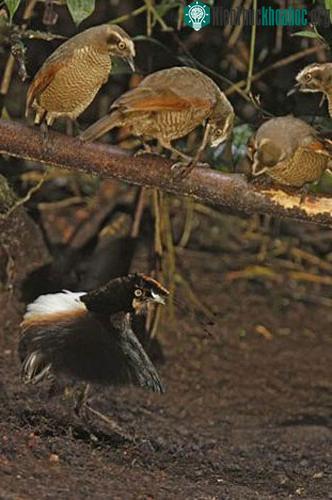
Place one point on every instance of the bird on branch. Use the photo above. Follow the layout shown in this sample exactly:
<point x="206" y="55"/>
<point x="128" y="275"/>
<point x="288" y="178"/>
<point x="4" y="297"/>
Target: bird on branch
<point x="316" y="78"/>
<point x="168" y="105"/>
<point x="72" y="75"/>
<point x="289" y="151"/>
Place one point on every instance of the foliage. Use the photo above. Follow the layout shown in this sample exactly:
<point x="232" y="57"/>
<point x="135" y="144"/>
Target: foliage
<point x="80" y="9"/>
<point x="12" y="6"/>
<point x="328" y="6"/>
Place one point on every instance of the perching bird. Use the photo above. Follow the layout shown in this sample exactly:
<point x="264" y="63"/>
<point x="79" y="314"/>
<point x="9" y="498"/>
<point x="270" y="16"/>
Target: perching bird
<point x="289" y="151"/>
<point x="316" y="78"/>
<point x="88" y="336"/>
<point x="72" y="75"/>
<point x="168" y="105"/>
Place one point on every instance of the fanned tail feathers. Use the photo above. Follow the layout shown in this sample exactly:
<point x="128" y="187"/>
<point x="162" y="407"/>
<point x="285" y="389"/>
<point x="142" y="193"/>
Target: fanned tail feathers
<point x="34" y="368"/>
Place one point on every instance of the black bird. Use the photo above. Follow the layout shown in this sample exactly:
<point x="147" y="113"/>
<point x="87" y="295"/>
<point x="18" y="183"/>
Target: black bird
<point x="88" y="336"/>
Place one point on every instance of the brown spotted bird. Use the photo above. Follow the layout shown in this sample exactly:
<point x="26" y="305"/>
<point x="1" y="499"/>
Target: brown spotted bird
<point x="316" y="78"/>
<point x="168" y="105"/>
<point x="70" y="78"/>
<point x="88" y="336"/>
<point x="289" y="151"/>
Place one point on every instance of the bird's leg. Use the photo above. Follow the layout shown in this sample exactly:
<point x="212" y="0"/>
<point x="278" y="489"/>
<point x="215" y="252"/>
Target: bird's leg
<point x="44" y="131"/>
<point x="72" y="127"/>
<point x="81" y="399"/>
<point x="185" y="157"/>
<point x="109" y="422"/>
<point x="82" y="408"/>
<point x="181" y="169"/>
<point x="176" y="152"/>
<point x="304" y="192"/>
<point x="146" y="149"/>
<point x="55" y="388"/>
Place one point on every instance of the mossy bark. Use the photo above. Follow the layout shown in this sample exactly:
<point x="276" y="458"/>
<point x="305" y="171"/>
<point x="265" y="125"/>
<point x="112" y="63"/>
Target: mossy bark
<point x="7" y="196"/>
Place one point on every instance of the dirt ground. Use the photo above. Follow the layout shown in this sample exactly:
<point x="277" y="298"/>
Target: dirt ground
<point x="245" y="415"/>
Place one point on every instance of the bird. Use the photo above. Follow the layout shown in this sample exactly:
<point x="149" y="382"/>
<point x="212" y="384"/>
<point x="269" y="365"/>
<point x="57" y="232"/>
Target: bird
<point x="87" y="337"/>
<point x="289" y="151"/>
<point x="71" y="76"/>
<point x="316" y="78"/>
<point x="168" y="105"/>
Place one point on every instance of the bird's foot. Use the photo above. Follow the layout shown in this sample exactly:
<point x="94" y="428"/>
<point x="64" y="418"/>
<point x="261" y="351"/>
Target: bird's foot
<point x="113" y="426"/>
<point x="145" y="150"/>
<point x="80" y="399"/>
<point x="304" y="193"/>
<point x="44" y="132"/>
<point x="46" y="140"/>
<point x="182" y="169"/>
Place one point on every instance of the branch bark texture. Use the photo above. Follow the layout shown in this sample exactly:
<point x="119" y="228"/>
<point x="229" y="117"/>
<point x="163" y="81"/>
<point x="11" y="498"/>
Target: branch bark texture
<point x="224" y="191"/>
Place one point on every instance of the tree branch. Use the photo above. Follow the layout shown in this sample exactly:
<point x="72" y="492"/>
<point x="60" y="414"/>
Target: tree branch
<point x="231" y="192"/>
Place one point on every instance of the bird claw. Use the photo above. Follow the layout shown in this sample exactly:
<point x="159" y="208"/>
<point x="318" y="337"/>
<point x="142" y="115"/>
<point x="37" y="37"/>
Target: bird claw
<point x="145" y="150"/>
<point x="181" y="169"/>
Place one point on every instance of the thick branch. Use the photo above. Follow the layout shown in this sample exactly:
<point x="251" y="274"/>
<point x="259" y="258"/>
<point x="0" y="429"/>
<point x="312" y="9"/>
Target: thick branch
<point x="230" y="192"/>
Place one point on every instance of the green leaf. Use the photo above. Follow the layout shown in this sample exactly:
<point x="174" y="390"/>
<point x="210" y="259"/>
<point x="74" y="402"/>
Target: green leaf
<point x="12" y="6"/>
<point x="309" y="34"/>
<point x="328" y="6"/>
<point x="80" y="9"/>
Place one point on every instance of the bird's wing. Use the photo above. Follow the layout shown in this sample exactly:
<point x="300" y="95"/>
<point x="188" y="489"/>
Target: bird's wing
<point x="138" y="366"/>
<point x="61" y="57"/>
<point x="169" y="90"/>
<point x="148" y="99"/>
<point x="43" y="78"/>
<point x="83" y="347"/>
<point x="323" y="147"/>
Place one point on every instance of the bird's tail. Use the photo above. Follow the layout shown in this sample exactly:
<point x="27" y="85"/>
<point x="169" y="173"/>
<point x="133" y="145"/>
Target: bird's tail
<point x="34" y="365"/>
<point x="101" y="127"/>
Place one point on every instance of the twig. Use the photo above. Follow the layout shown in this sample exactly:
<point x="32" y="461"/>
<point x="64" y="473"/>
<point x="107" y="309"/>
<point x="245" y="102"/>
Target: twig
<point x="252" y="49"/>
<point x="238" y="28"/>
<point x="8" y="73"/>
<point x="140" y="205"/>
<point x="26" y="198"/>
<point x="125" y="17"/>
<point x="311" y="278"/>
<point x="187" y="225"/>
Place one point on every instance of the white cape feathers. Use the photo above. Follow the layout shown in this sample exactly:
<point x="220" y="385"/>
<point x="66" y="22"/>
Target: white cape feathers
<point x="54" y="303"/>
<point x="34" y="367"/>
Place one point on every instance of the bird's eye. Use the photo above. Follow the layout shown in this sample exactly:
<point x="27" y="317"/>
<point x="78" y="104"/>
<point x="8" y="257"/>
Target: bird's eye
<point x="121" y="45"/>
<point x="308" y="77"/>
<point x="219" y="131"/>
<point x="138" y="292"/>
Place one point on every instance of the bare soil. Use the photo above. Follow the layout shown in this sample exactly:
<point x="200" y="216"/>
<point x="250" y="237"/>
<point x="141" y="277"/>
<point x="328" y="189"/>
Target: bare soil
<point x="246" y="415"/>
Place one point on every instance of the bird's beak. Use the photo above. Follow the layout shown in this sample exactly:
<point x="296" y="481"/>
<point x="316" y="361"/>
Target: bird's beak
<point x="292" y="91"/>
<point x="130" y="61"/>
<point x="157" y="298"/>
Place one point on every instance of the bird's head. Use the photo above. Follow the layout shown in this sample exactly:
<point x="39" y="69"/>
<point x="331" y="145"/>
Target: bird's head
<point x="264" y="153"/>
<point x="130" y="294"/>
<point x="313" y="78"/>
<point x="146" y="290"/>
<point x="221" y="123"/>
<point x="119" y="44"/>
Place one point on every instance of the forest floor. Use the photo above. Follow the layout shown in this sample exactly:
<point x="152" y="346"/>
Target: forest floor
<point x="247" y="413"/>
